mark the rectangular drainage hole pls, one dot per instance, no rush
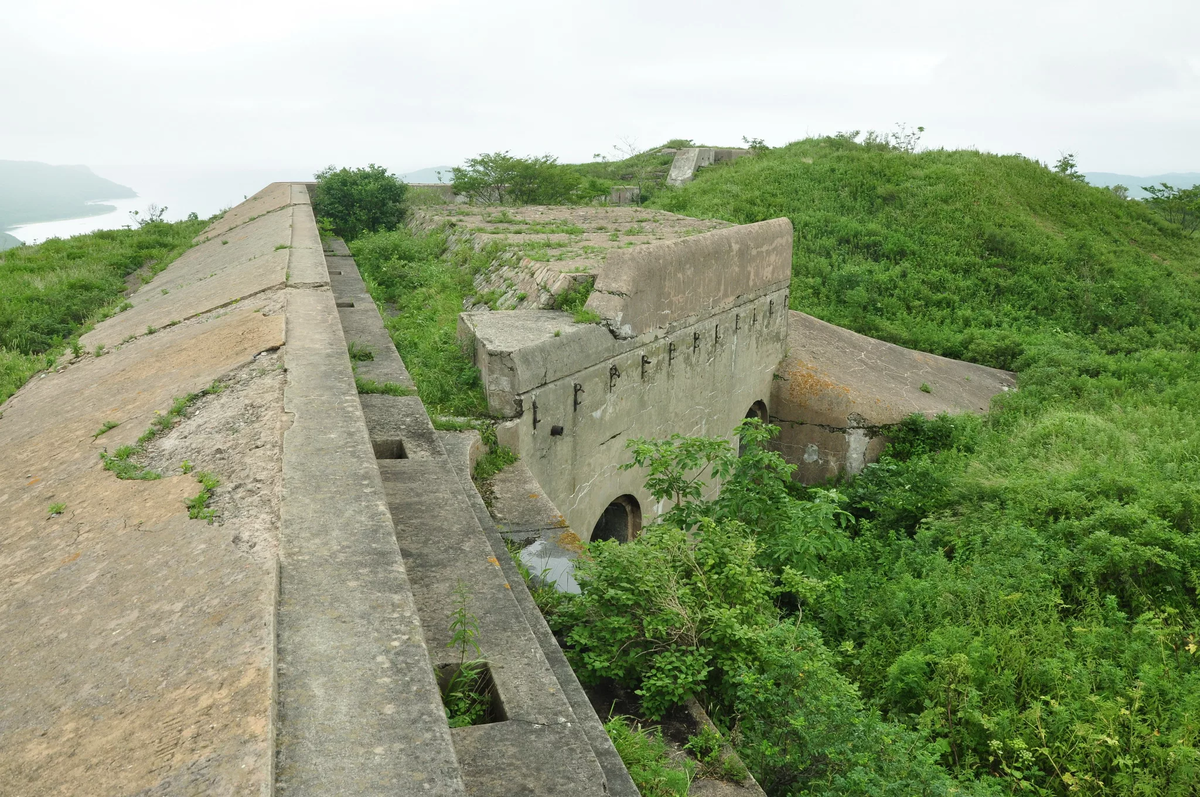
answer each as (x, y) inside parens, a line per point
(392, 448)
(333, 273)
(469, 694)
(345, 304)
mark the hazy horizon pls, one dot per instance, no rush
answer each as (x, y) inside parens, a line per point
(243, 85)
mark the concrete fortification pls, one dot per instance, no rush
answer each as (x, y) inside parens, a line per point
(296, 646)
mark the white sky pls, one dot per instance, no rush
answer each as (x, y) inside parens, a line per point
(412, 83)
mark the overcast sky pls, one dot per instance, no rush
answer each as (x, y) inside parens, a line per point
(409, 84)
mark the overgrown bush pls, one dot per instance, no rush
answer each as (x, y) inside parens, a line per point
(354, 201)
(692, 607)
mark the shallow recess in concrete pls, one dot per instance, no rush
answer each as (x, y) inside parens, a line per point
(333, 273)
(390, 448)
(345, 304)
(757, 410)
(481, 686)
(620, 521)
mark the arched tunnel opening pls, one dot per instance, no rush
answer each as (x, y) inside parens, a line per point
(621, 520)
(757, 410)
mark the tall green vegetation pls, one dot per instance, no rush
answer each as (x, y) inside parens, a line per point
(421, 283)
(1019, 591)
(49, 293)
(350, 202)
(711, 603)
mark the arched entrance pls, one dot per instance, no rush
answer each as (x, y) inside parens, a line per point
(621, 520)
(757, 410)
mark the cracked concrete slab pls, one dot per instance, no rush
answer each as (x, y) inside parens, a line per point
(207, 276)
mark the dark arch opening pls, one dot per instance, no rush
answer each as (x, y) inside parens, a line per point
(757, 410)
(621, 520)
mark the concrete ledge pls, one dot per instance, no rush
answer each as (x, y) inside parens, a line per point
(664, 285)
(359, 710)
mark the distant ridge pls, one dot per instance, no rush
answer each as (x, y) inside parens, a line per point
(31, 192)
(8, 241)
(1134, 183)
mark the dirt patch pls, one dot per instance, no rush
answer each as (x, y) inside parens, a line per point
(237, 436)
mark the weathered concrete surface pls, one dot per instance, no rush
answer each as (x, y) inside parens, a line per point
(362, 325)
(271, 198)
(550, 249)
(838, 391)
(136, 644)
(359, 709)
(206, 277)
(687, 161)
(691, 159)
(461, 448)
(445, 547)
(694, 380)
(685, 281)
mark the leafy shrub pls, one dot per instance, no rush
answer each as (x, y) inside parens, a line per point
(500, 177)
(354, 201)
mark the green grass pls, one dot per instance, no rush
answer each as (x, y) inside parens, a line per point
(121, 463)
(198, 508)
(359, 353)
(421, 286)
(645, 756)
(52, 292)
(105, 427)
(1021, 590)
(56, 509)
(383, 388)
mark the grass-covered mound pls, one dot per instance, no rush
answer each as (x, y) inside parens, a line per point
(960, 253)
(1021, 590)
(50, 292)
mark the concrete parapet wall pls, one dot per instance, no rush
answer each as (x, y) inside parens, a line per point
(664, 285)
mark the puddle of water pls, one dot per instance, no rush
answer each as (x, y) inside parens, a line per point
(551, 564)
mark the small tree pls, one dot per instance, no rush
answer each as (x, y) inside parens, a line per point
(353, 201)
(1177, 205)
(1121, 191)
(1066, 167)
(499, 177)
(154, 214)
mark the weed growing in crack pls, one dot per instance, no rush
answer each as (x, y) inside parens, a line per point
(120, 463)
(198, 507)
(107, 426)
(360, 353)
(370, 386)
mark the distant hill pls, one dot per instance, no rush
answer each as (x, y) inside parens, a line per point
(8, 241)
(31, 192)
(1134, 183)
(428, 175)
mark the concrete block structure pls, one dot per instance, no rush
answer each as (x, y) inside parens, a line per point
(690, 160)
(690, 336)
(838, 392)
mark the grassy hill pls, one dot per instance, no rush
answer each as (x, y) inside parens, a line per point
(53, 292)
(1022, 591)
